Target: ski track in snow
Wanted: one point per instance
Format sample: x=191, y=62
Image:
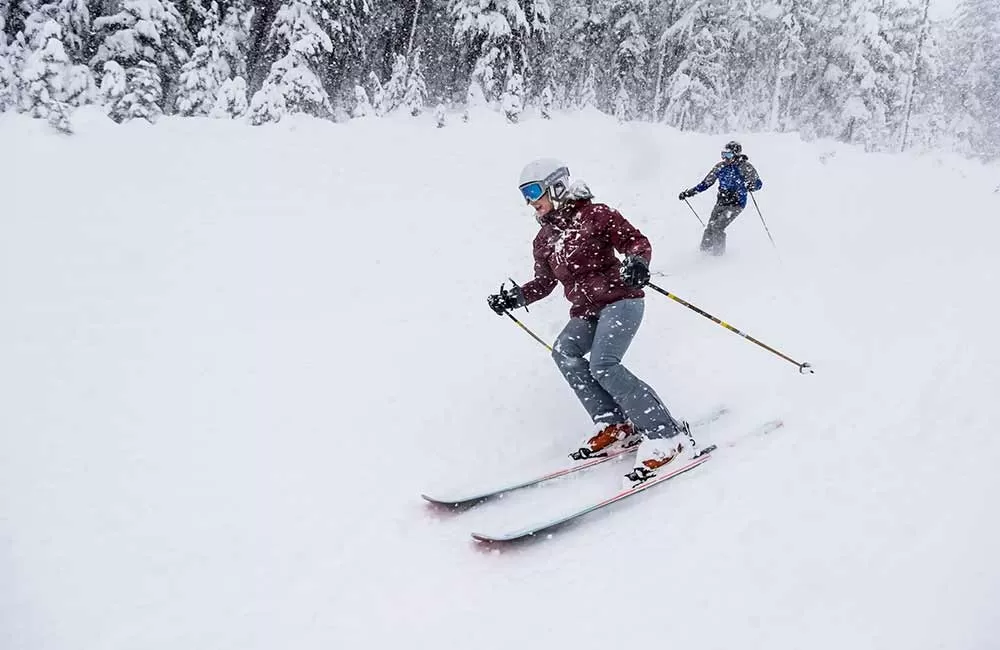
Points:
x=232, y=359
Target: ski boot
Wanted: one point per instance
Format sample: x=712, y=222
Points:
x=609, y=438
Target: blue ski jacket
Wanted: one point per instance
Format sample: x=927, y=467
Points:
x=735, y=177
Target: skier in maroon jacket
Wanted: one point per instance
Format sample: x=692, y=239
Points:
x=576, y=247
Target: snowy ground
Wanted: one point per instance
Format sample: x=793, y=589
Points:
x=234, y=357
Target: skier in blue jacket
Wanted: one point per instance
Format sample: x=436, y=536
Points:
x=736, y=177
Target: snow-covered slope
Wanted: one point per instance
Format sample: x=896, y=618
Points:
x=233, y=357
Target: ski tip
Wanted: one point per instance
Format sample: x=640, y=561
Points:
x=488, y=542
x=452, y=505
x=445, y=503
x=493, y=541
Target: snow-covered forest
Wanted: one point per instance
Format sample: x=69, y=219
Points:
x=879, y=73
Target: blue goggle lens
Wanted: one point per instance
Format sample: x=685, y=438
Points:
x=727, y=154
x=532, y=191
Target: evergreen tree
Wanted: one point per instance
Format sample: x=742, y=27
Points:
x=628, y=57
x=73, y=17
x=512, y=102
x=377, y=94
x=581, y=44
x=12, y=58
x=588, y=94
x=975, y=74
x=416, y=88
x=696, y=92
x=293, y=85
x=45, y=72
x=150, y=31
x=494, y=35
x=395, y=89
x=546, y=101
x=231, y=100
x=113, y=86
x=475, y=100
x=362, y=105
x=217, y=59
x=143, y=93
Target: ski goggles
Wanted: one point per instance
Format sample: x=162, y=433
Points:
x=728, y=155
x=532, y=191
x=535, y=189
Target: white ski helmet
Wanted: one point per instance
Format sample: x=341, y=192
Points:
x=544, y=175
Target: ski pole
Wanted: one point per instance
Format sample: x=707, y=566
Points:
x=519, y=323
x=530, y=333
x=695, y=213
x=804, y=368
x=762, y=220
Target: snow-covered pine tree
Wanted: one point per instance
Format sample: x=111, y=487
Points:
x=74, y=18
x=231, y=100
x=79, y=87
x=377, y=94
x=785, y=26
x=878, y=64
x=696, y=92
x=14, y=14
x=974, y=69
x=12, y=56
x=546, y=102
x=475, y=100
x=149, y=31
x=143, y=94
x=579, y=49
x=362, y=105
x=918, y=70
x=293, y=85
x=233, y=35
x=853, y=83
x=623, y=104
x=416, y=88
x=45, y=72
x=588, y=94
x=494, y=37
x=512, y=102
x=113, y=86
x=203, y=74
x=441, y=116
x=395, y=89
x=630, y=49
x=346, y=22
x=217, y=59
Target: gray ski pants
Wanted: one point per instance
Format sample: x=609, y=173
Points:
x=714, y=239
x=608, y=391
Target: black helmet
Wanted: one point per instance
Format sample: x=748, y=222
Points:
x=734, y=146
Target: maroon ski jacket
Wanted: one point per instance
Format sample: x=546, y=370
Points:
x=576, y=246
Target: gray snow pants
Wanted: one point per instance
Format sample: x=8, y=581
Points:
x=608, y=391
x=714, y=239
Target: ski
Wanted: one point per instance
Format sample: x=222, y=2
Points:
x=463, y=501
x=525, y=533
x=531, y=531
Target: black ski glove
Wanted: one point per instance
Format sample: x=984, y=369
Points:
x=685, y=194
x=504, y=301
x=635, y=271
